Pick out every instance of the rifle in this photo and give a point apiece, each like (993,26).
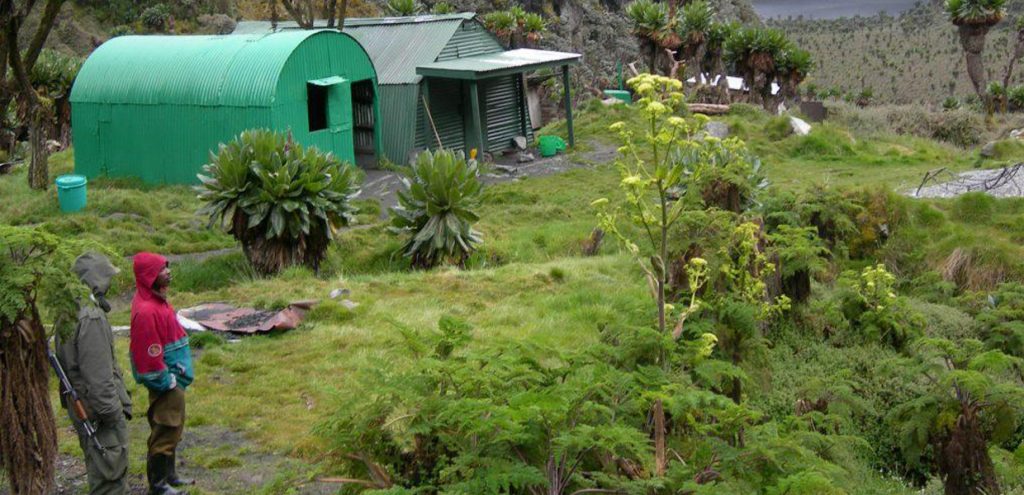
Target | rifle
(73,401)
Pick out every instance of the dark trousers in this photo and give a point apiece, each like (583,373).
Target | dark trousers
(106,470)
(166,417)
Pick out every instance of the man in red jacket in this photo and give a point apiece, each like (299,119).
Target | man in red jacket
(162,361)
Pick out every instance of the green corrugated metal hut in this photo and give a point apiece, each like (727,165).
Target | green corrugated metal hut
(153,107)
(479,102)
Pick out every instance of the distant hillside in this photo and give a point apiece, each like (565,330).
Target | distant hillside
(915,57)
(596,28)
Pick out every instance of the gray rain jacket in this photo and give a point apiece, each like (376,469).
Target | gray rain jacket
(87,355)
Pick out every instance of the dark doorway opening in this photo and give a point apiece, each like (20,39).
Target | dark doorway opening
(316,106)
(363,121)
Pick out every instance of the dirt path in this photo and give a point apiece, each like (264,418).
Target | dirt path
(222,461)
(383,184)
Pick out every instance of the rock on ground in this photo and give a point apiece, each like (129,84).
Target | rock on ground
(800,128)
(717,129)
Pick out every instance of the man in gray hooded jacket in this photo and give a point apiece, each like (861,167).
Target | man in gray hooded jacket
(87,357)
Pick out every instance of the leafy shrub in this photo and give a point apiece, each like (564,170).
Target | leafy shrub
(1016,97)
(442,8)
(282,201)
(800,253)
(961,127)
(495,420)
(877,313)
(725,174)
(950,103)
(778,128)
(121,30)
(1002,320)
(974,401)
(55,72)
(156,18)
(974,207)
(404,7)
(441,190)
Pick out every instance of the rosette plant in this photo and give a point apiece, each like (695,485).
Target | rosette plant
(435,209)
(283,202)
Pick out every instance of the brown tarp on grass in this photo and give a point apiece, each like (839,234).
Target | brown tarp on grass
(221,317)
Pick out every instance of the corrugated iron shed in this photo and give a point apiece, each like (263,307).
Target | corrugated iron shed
(153,107)
(462,113)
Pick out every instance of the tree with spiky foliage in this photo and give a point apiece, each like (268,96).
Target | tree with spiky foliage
(694,27)
(974,19)
(649,21)
(792,68)
(713,64)
(755,53)
(1018,53)
(973,398)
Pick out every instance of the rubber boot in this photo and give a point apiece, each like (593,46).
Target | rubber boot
(172,476)
(157,469)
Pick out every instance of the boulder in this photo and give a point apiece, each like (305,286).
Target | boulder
(800,128)
(1017,133)
(215,24)
(989,150)
(525,157)
(716,129)
(520,142)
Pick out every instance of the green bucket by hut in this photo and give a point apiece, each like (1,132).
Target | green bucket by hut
(550,145)
(71,193)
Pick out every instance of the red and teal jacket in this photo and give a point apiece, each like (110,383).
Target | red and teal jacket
(161,358)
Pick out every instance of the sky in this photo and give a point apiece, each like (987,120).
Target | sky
(829,9)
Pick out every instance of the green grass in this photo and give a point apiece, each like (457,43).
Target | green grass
(123,214)
(527,284)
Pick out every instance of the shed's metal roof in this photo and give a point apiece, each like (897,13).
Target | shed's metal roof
(497,64)
(227,70)
(397,45)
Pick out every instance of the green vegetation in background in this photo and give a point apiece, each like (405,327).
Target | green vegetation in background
(529,286)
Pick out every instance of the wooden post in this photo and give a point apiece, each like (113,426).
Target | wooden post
(476,129)
(524,108)
(425,98)
(568,105)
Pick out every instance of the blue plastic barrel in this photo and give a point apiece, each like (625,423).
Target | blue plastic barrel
(71,192)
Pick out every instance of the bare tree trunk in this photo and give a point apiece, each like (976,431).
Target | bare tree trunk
(964,461)
(660,450)
(38,168)
(28,445)
(972,39)
(341,16)
(329,11)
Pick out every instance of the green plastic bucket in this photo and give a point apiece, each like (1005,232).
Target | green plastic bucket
(71,193)
(621,95)
(550,145)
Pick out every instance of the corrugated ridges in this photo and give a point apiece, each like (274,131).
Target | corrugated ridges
(232,70)
(397,49)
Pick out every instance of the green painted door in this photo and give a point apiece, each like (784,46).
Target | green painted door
(337,137)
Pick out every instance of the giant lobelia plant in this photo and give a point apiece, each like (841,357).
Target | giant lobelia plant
(436,208)
(282,201)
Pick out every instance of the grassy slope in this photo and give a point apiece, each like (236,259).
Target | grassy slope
(529,282)
(912,58)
